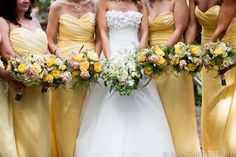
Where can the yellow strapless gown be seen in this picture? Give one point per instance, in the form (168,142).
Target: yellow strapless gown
(31,114)
(176,93)
(218,102)
(7,137)
(66,103)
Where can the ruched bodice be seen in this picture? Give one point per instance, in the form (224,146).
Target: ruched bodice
(208,21)
(25,42)
(161,28)
(74,32)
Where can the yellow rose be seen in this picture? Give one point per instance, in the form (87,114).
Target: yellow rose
(218,51)
(98,67)
(148,70)
(192,67)
(56,73)
(158,51)
(84,66)
(49,78)
(194,49)
(178,50)
(142,57)
(21,68)
(37,68)
(63,67)
(51,61)
(160,60)
(174,61)
(75,73)
(79,57)
(92,55)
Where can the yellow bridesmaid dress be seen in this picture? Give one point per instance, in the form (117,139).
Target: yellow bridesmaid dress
(7,137)
(218,102)
(31,114)
(66,105)
(176,93)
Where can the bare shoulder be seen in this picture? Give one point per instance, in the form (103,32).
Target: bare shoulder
(56,5)
(36,22)
(4,22)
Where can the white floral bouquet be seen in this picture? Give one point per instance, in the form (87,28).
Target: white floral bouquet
(219,56)
(186,58)
(85,67)
(56,72)
(153,60)
(122,73)
(27,70)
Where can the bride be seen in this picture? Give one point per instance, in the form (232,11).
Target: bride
(123,126)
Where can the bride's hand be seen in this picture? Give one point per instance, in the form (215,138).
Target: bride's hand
(19,88)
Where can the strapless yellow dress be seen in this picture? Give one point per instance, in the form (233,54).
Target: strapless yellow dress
(31,114)
(66,104)
(7,137)
(218,102)
(176,93)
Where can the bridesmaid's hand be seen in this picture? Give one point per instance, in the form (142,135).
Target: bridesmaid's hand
(19,88)
(61,55)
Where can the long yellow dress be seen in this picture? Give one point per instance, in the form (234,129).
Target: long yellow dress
(176,94)
(67,104)
(7,137)
(218,102)
(31,114)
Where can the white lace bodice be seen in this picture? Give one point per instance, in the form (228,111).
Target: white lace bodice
(122,20)
(123,30)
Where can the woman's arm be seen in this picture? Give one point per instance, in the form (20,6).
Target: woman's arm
(102,28)
(181,17)
(144,27)
(191,31)
(52,29)
(5,48)
(225,17)
(98,45)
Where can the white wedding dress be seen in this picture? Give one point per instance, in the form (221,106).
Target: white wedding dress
(124,126)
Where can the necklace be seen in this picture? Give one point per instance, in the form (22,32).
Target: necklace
(80,4)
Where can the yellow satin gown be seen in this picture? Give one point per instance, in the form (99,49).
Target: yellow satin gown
(31,114)
(176,93)
(66,105)
(218,102)
(7,137)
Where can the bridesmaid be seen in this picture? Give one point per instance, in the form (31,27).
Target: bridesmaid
(7,137)
(218,21)
(71,25)
(22,35)
(167,22)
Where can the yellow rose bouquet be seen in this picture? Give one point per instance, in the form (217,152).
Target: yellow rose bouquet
(56,72)
(153,60)
(186,58)
(27,70)
(219,56)
(85,67)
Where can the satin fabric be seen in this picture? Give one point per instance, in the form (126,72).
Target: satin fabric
(218,102)
(66,104)
(31,114)
(7,137)
(176,93)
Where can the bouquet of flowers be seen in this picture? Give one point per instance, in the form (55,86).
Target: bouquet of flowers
(153,60)
(27,70)
(186,58)
(122,73)
(85,67)
(219,56)
(56,72)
